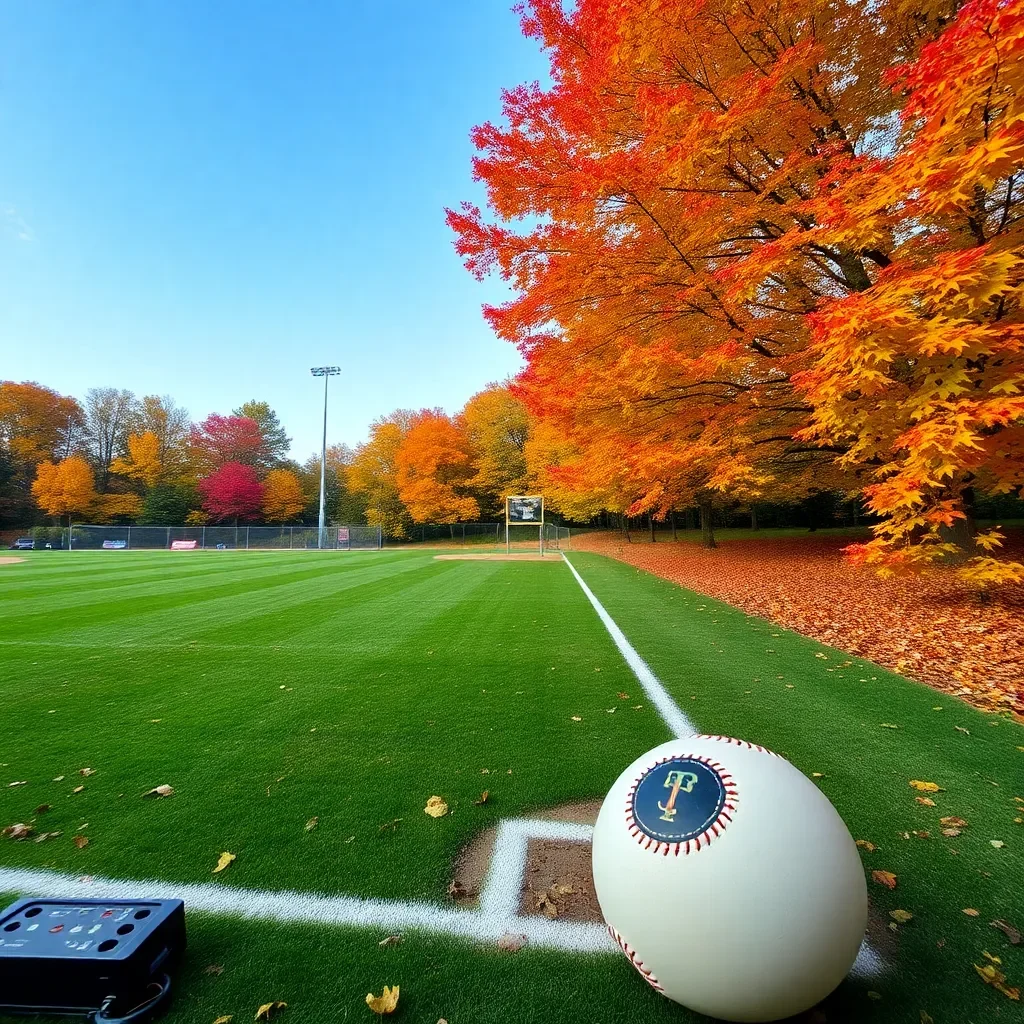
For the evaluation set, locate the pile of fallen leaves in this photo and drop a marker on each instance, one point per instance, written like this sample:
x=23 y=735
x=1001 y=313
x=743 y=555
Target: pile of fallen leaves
x=935 y=628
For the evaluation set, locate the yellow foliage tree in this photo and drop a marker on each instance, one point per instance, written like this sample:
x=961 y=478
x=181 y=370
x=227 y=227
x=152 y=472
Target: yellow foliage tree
x=498 y=428
x=143 y=461
x=110 y=508
x=65 y=487
x=283 y=498
x=373 y=474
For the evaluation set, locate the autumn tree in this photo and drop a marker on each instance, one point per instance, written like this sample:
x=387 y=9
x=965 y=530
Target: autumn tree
x=276 y=443
x=110 y=416
x=283 y=497
x=696 y=191
x=37 y=423
x=232 y=491
x=161 y=416
x=142 y=460
x=373 y=474
x=497 y=427
x=433 y=468
x=116 y=508
x=220 y=440
x=65 y=487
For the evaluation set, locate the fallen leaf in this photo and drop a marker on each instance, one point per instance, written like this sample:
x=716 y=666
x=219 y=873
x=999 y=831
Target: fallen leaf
x=951 y=833
x=436 y=808
x=971 y=912
x=78 y=789
x=11 y=785
x=623 y=696
x=87 y=771
x=953 y=822
x=159 y=791
x=997 y=843
x=926 y=1018
x=268 y=1010
x=81 y=842
x=42 y=809
x=865 y=845
x=18 y=831
x=484 y=796
x=960 y=728
x=510 y=942
x=456 y=889
x=921 y=835
x=997 y=980
x=391 y=940
x=312 y=824
x=47 y=835
x=988 y=956
x=886 y=878
x=576 y=718
x=1008 y=930
x=224 y=861
x=817 y=775
x=385 y=1002
x=888 y=725
x=224 y=1020
x=60 y=778
x=216 y=969
x=901 y=916
x=926 y=787
x=875 y=996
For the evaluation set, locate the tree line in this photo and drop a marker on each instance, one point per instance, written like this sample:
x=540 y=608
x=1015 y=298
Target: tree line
x=763 y=247
x=117 y=458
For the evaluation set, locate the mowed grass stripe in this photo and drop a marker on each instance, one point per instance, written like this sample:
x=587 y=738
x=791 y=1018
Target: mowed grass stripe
x=155 y=582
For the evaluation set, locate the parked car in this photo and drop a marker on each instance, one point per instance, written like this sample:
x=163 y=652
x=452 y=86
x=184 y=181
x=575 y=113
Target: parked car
x=23 y=544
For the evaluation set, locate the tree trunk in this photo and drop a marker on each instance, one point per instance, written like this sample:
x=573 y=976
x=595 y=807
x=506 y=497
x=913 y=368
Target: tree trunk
x=650 y=521
x=962 y=532
x=753 y=517
x=707 y=526
x=672 y=517
x=625 y=529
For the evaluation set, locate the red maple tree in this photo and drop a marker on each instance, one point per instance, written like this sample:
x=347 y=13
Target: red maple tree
x=232 y=492
x=219 y=440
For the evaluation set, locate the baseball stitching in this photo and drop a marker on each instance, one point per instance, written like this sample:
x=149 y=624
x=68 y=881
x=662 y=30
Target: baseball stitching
x=630 y=952
x=715 y=829
x=739 y=743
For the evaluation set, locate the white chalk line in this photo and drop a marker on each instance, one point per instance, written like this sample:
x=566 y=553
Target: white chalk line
x=672 y=714
x=868 y=963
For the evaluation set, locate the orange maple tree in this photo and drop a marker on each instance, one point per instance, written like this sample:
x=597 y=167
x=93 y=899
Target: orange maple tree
x=142 y=461
x=696 y=207
x=283 y=498
x=433 y=466
x=65 y=487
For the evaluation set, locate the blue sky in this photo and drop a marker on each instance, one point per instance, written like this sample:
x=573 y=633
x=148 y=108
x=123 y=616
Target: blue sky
x=206 y=199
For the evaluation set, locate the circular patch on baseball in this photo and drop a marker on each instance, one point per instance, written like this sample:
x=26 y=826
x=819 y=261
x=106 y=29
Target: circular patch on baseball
x=678 y=800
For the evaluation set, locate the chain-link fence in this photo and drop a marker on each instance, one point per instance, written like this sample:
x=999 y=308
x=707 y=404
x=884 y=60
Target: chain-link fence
x=223 y=538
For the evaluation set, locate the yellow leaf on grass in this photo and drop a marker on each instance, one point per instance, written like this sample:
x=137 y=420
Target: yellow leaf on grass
x=81 y=842
x=971 y=912
x=997 y=843
x=926 y=1018
x=385 y=1002
x=901 y=916
x=312 y=824
x=953 y=822
x=159 y=791
x=436 y=808
x=925 y=801
x=886 y=878
x=997 y=980
x=224 y=1020
x=865 y=845
x=224 y=861
x=925 y=787
x=268 y=1010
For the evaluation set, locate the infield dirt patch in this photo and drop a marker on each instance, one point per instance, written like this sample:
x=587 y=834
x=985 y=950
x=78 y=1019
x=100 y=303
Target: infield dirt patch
x=9 y=559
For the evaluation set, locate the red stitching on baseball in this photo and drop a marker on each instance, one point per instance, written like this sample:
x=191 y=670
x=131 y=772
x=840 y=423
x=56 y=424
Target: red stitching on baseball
x=739 y=743
x=630 y=952
x=714 y=829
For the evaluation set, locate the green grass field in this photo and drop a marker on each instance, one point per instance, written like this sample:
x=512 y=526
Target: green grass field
x=270 y=688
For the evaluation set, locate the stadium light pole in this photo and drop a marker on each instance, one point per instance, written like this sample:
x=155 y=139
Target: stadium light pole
x=326 y=372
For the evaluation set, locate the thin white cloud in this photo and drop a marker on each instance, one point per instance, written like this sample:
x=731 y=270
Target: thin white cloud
x=14 y=224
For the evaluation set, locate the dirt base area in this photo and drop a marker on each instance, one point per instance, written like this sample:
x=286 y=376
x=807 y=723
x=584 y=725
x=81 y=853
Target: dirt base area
x=932 y=628
x=558 y=881
x=538 y=557
x=9 y=559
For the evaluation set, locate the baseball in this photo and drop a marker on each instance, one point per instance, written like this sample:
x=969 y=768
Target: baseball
x=729 y=880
